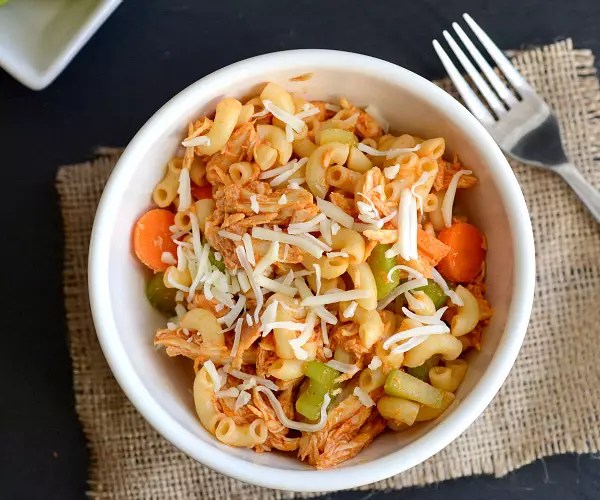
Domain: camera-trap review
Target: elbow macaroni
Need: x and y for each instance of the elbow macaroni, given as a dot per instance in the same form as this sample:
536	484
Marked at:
468	315
249	146
318	163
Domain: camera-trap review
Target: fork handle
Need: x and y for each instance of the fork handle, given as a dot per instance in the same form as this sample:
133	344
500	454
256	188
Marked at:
588	195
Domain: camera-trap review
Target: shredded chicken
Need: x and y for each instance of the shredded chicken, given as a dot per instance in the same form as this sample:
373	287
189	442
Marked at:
249	335
446	171
371	185
350	427
343	202
234	151
177	344
277	432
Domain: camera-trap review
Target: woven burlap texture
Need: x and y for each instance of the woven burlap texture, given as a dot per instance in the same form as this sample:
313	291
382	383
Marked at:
548	405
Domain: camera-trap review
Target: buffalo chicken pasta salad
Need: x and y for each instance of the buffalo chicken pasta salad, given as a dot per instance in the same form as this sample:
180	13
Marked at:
311	265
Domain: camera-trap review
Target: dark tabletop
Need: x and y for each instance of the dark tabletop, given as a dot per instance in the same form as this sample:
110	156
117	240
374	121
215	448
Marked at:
146	52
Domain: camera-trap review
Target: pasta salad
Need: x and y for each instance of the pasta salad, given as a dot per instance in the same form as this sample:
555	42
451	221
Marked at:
313	267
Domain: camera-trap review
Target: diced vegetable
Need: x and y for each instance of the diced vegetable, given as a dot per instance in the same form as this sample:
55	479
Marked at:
336	135
381	265
310	401
161	297
463	262
152	237
422	372
321	381
320	373
435	293
403	385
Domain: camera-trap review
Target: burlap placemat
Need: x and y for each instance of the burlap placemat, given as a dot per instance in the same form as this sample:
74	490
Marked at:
549	405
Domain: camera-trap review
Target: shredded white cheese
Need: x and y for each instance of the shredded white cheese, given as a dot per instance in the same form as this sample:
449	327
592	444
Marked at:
334	297
350	310
325	228
184	191
171	326
268	318
336	214
399	290
274	172
454	297
296	123
422	181
247	239
448	202
390	153
283	200
317	278
269	258
306	227
212	373
435	319
413	303
335	227
243	281
276	286
391	172
245	376
327	352
168	258
375	363
232	315
419	331
201	140
349	368
311	239
229	235
281	178
305	292
174	284
247	384
242	400
232	392
292	424
407	346
262	233
412	272
254	204
363	397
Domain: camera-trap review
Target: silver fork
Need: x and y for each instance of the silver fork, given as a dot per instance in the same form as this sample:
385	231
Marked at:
523	125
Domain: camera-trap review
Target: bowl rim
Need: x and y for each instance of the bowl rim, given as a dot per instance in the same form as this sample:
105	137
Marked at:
423	447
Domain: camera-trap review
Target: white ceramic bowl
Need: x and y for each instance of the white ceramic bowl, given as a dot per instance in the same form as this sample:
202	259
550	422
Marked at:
160	386
39	38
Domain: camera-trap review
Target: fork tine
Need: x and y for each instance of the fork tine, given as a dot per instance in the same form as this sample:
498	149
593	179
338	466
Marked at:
479	82
503	91
471	100
512	75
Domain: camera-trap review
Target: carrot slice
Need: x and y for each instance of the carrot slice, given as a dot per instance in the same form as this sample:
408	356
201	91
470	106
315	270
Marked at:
152	237
202	193
463	262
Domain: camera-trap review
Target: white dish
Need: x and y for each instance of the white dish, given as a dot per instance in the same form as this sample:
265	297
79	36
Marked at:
160	387
39	38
